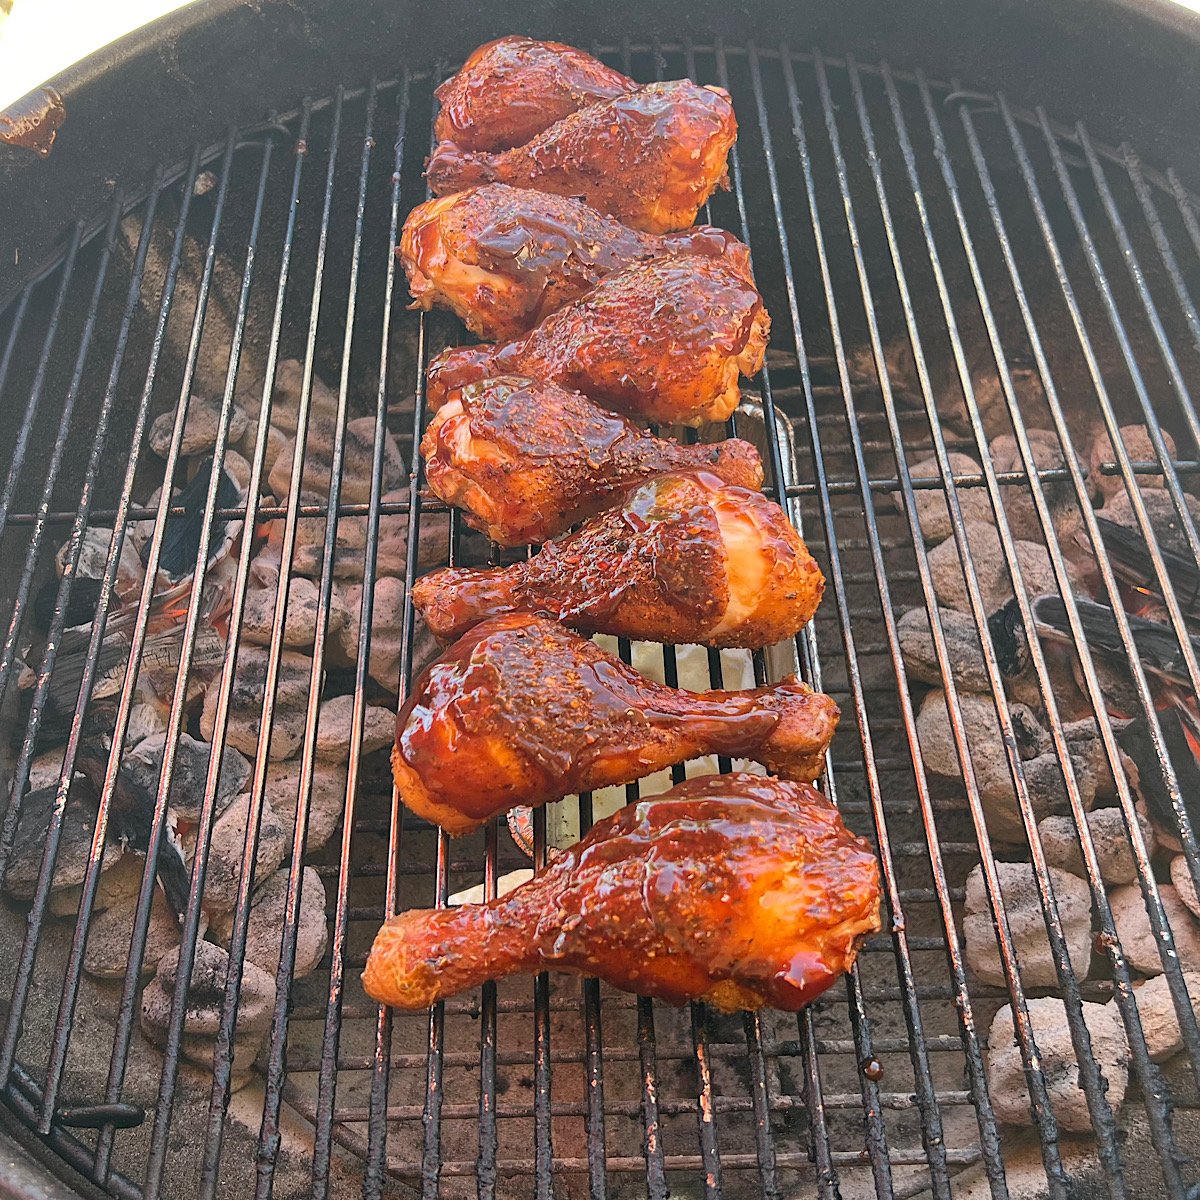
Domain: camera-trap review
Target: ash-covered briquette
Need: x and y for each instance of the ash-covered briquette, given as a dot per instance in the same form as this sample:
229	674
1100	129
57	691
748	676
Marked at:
206	998
1027	924
1048	1019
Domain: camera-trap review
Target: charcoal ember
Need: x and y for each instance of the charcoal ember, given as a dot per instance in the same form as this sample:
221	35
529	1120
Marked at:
1158	1015
1137	937
326	804
966	655
110	936
1059	1061
933	513
1160	508
356	465
93	560
267	918
336	722
300	625
227	846
75	840
1018	888
1037	573
205	999
1138	446
1006	628
1046	790
1018	498
1181	880
199	427
119	882
192	758
1114	851
1144	769
246	701
1089	756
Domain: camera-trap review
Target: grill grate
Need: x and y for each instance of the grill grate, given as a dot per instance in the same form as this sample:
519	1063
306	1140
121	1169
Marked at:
877	204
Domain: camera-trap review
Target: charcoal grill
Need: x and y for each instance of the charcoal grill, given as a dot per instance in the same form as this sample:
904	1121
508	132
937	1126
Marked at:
949	196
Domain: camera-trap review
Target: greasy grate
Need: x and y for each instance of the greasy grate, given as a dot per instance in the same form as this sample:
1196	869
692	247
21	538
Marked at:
877	205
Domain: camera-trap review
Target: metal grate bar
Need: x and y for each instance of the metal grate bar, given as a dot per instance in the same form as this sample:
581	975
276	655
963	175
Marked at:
91	877
1133	168
156	1159
223	1050
10	343
1149	887
21	445
974	1059
373	1176
75	544
1043	1115
327	1093
807	649
847	635
269	1135
1091	1081
1147	1073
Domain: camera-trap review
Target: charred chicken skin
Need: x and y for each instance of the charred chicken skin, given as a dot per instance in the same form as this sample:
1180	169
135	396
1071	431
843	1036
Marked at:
503	258
522	711
733	889
511	89
650	157
528	460
659	341
685	558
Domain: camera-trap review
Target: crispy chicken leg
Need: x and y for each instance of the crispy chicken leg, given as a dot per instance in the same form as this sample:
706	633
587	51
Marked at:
685	558
651	157
659	341
502	258
733	889
511	89
521	711
527	460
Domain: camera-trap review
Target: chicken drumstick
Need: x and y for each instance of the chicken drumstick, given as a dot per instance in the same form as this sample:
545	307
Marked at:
659	341
685	558
503	258
521	711
651	157
511	89
733	889
527	460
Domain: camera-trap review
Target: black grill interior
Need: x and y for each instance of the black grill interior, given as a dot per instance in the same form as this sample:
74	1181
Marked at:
878	206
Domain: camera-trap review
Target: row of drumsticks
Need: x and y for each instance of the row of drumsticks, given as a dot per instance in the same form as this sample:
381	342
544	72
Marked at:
561	231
